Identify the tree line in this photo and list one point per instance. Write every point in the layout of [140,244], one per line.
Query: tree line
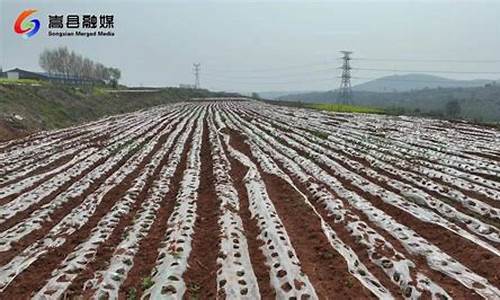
[61,61]
[478,104]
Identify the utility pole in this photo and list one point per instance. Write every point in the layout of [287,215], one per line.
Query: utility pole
[345,91]
[196,70]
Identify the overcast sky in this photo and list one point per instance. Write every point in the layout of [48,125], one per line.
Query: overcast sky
[266,46]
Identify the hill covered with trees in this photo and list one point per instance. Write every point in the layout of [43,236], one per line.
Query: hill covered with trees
[408,82]
[480,104]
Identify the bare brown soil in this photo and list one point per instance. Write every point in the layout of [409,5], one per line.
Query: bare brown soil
[33,278]
[318,259]
[295,200]
[472,256]
[145,260]
[251,229]
[200,277]
[106,250]
[8,132]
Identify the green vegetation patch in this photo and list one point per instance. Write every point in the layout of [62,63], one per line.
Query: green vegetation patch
[147,282]
[20,81]
[347,108]
[44,105]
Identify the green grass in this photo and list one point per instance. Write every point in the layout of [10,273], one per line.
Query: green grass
[346,108]
[20,81]
[44,105]
[132,294]
[147,282]
[99,91]
[319,134]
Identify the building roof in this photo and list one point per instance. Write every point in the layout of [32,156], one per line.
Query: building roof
[26,72]
[52,76]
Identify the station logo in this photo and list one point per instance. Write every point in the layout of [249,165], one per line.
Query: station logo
[71,25]
[25,26]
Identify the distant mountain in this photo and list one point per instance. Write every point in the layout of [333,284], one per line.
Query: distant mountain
[479,103]
[277,94]
[407,82]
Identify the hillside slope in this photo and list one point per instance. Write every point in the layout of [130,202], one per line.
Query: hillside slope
[481,104]
[408,82]
[25,108]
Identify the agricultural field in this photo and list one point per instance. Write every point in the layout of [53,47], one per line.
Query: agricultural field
[243,200]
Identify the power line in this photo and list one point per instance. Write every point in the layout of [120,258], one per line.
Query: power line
[284,68]
[259,76]
[430,60]
[227,73]
[327,70]
[411,80]
[425,71]
[210,79]
[322,63]
[266,76]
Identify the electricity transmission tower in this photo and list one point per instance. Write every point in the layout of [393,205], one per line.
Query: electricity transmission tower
[345,91]
[196,70]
